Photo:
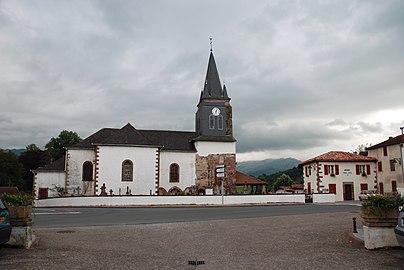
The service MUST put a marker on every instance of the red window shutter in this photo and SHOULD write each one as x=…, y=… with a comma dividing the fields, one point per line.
x=326, y=169
x=368, y=169
x=379, y=166
x=332, y=188
x=364, y=187
x=381, y=188
x=394, y=186
x=336, y=169
x=357, y=170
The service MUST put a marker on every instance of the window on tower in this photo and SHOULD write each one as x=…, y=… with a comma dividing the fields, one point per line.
x=220, y=122
x=211, y=122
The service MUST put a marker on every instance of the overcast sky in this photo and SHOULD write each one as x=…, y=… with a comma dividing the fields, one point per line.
x=305, y=77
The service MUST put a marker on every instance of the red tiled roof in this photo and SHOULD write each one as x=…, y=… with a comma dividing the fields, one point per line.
x=244, y=179
x=391, y=141
x=297, y=186
x=338, y=156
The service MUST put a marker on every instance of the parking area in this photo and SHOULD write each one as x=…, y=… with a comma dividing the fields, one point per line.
x=312, y=241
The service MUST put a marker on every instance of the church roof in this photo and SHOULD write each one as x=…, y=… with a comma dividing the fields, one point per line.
x=172, y=140
x=128, y=135
x=57, y=165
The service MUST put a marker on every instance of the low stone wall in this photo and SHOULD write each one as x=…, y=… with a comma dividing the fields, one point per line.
x=168, y=200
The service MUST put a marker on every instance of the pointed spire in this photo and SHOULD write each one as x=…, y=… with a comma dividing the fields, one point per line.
x=225, y=95
x=212, y=87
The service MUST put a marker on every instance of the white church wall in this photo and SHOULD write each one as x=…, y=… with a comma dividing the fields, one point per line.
x=207, y=148
x=186, y=163
x=144, y=169
x=75, y=161
x=48, y=179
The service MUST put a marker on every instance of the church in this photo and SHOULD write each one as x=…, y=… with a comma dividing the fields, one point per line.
x=130, y=161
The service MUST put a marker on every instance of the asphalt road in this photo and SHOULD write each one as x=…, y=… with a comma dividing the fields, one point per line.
x=78, y=217
x=308, y=241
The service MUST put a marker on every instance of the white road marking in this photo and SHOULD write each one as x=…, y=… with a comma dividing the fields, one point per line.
x=59, y=213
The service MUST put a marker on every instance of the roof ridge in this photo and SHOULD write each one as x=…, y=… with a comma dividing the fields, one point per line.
x=334, y=156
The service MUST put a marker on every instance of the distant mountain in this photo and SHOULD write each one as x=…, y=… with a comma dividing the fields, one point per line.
x=267, y=166
x=15, y=151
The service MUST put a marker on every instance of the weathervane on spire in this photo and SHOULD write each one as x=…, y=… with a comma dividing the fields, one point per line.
x=210, y=44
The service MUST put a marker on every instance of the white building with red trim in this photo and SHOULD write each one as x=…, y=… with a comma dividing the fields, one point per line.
x=342, y=173
x=389, y=154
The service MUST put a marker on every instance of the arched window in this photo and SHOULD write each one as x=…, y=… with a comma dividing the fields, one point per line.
x=87, y=171
x=127, y=170
x=174, y=173
x=220, y=122
x=211, y=122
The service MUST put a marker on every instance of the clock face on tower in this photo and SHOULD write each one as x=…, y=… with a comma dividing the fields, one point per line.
x=215, y=111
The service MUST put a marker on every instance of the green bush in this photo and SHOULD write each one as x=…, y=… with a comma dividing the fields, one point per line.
x=17, y=199
x=381, y=203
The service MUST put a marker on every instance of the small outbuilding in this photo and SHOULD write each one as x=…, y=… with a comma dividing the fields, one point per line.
x=246, y=184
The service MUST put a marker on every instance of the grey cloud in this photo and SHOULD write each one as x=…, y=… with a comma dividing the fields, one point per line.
x=300, y=74
x=298, y=135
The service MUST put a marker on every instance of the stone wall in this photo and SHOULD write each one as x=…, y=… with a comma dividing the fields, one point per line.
x=205, y=168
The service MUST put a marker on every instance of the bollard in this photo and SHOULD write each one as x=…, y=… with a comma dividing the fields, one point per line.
x=354, y=225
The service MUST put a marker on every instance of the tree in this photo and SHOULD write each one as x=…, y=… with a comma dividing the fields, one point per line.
x=283, y=180
x=56, y=146
x=31, y=159
x=10, y=170
x=296, y=174
x=361, y=149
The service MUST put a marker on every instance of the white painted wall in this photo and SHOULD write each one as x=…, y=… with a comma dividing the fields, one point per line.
x=386, y=176
x=75, y=161
x=47, y=179
x=168, y=200
x=347, y=173
x=186, y=162
x=207, y=148
x=110, y=169
x=324, y=198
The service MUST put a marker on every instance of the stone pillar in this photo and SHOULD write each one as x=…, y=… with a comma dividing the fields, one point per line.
x=378, y=230
x=21, y=234
x=379, y=237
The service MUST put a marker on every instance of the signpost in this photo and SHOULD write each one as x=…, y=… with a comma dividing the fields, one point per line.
x=220, y=173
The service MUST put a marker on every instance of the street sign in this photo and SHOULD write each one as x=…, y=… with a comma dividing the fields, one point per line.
x=220, y=171
x=219, y=175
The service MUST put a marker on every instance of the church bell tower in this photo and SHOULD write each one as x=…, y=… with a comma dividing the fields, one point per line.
x=214, y=140
x=214, y=120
